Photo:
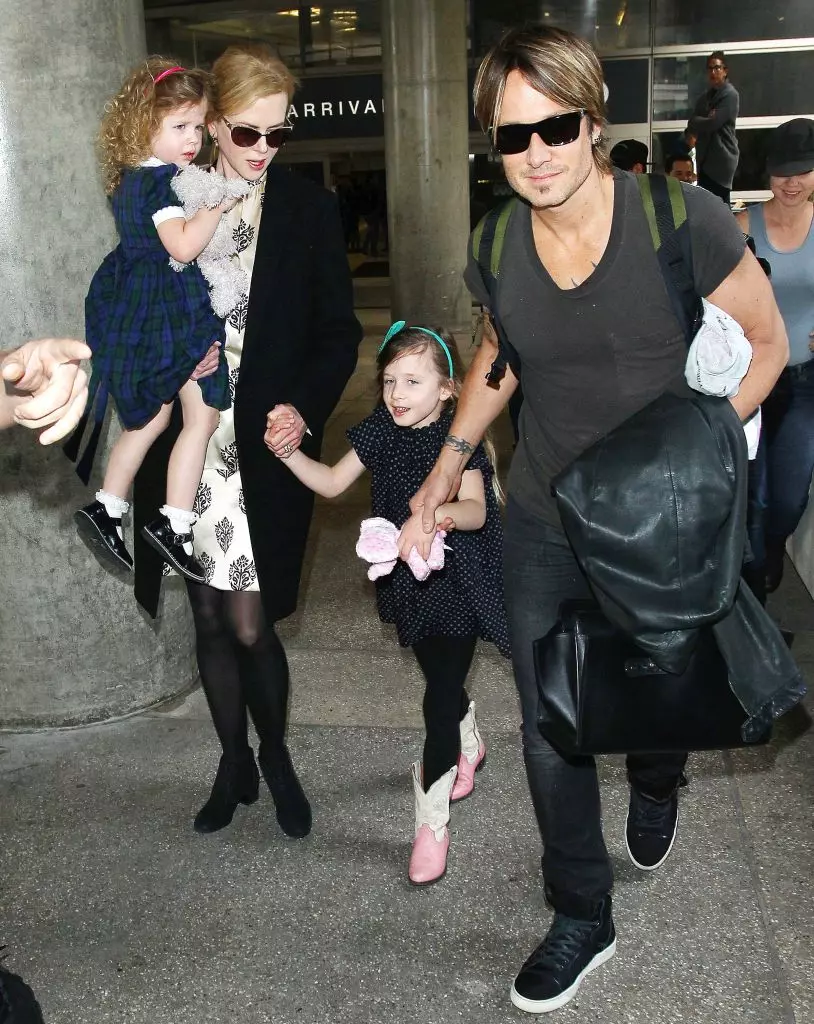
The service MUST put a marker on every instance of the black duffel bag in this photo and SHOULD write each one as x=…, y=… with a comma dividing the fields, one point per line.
x=601, y=694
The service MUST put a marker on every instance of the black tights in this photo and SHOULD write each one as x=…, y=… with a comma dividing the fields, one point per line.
x=242, y=665
x=445, y=662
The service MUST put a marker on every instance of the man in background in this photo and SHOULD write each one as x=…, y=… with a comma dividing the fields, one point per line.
x=711, y=129
x=630, y=155
x=680, y=166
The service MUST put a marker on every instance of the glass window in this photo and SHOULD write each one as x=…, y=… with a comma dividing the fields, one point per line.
x=770, y=84
x=627, y=89
x=609, y=24
x=702, y=21
x=304, y=35
x=751, y=173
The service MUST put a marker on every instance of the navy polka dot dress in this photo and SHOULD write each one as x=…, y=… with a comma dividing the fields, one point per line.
x=466, y=596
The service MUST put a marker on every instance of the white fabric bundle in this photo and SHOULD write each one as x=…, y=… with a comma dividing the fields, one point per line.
x=717, y=362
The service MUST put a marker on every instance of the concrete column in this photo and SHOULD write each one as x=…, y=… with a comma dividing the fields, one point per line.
x=427, y=141
x=73, y=645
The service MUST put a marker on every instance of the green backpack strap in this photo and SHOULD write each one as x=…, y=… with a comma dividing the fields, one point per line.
x=486, y=246
x=666, y=212
x=488, y=239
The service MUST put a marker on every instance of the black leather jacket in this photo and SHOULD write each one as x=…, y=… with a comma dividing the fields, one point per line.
x=656, y=515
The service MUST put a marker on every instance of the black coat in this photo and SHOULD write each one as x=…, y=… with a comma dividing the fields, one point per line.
x=656, y=515
x=300, y=347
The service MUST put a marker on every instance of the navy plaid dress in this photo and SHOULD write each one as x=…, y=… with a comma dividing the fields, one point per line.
x=147, y=325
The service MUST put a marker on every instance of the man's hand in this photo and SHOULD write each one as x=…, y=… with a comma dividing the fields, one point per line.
x=285, y=429
x=55, y=387
x=208, y=364
x=441, y=486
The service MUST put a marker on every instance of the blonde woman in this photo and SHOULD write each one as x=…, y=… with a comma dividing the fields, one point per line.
x=290, y=346
x=783, y=230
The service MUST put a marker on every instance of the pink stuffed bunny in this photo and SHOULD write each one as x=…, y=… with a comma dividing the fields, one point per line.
x=378, y=544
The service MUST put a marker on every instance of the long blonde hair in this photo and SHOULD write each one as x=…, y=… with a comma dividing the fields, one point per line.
x=416, y=340
x=135, y=113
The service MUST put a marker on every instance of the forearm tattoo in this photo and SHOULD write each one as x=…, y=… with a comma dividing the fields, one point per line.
x=458, y=444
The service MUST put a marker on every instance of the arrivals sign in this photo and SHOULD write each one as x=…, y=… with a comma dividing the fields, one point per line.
x=342, y=107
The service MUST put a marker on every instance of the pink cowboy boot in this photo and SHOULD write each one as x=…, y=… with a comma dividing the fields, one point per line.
x=428, y=860
x=473, y=751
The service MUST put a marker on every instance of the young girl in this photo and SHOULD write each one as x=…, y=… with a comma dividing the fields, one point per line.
x=442, y=616
x=149, y=325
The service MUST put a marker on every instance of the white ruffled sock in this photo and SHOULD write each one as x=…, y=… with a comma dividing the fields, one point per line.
x=115, y=507
x=181, y=521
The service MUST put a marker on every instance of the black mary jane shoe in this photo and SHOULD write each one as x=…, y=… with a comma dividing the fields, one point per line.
x=237, y=782
x=160, y=535
x=98, y=530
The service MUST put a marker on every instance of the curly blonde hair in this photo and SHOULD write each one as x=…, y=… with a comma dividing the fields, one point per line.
x=135, y=113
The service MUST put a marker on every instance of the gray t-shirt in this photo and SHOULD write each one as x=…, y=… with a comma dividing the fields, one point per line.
x=593, y=356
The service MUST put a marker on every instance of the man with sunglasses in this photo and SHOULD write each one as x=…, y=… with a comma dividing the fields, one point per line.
x=711, y=129
x=583, y=309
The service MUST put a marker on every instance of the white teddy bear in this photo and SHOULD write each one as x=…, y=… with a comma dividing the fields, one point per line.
x=197, y=188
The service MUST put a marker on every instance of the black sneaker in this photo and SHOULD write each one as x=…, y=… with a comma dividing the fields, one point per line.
x=551, y=976
x=650, y=830
x=17, y=1001
x=160, y=535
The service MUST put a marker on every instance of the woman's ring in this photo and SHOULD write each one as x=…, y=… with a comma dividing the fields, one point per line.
x=287, y=449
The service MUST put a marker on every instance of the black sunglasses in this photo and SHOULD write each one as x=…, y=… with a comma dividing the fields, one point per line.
x=246, y=137
x=559, y=130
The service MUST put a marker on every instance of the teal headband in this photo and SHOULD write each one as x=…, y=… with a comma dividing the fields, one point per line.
x=399, y=326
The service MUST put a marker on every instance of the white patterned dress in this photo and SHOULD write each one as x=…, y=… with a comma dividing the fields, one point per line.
x=222, y=543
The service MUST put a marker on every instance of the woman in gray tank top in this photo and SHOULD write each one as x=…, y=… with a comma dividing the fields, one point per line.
x=783, y=230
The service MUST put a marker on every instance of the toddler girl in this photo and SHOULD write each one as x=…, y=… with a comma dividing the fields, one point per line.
x=148, y=323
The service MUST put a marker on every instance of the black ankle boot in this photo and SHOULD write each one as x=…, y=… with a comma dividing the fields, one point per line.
x=293, y=809
x=237, y=782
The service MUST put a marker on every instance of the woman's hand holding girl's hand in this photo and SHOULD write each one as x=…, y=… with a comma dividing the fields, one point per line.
x=208, y=364
x=413, y=535
x=285, y=429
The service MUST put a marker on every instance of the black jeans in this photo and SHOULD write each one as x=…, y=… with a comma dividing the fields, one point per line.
x=445, y=662
x=704, y=181
x=784, y=465
x=540, y=571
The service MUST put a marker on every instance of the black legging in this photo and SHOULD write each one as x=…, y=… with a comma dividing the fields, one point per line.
x=445, y=662
x=242, y=664
x=711, y=185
